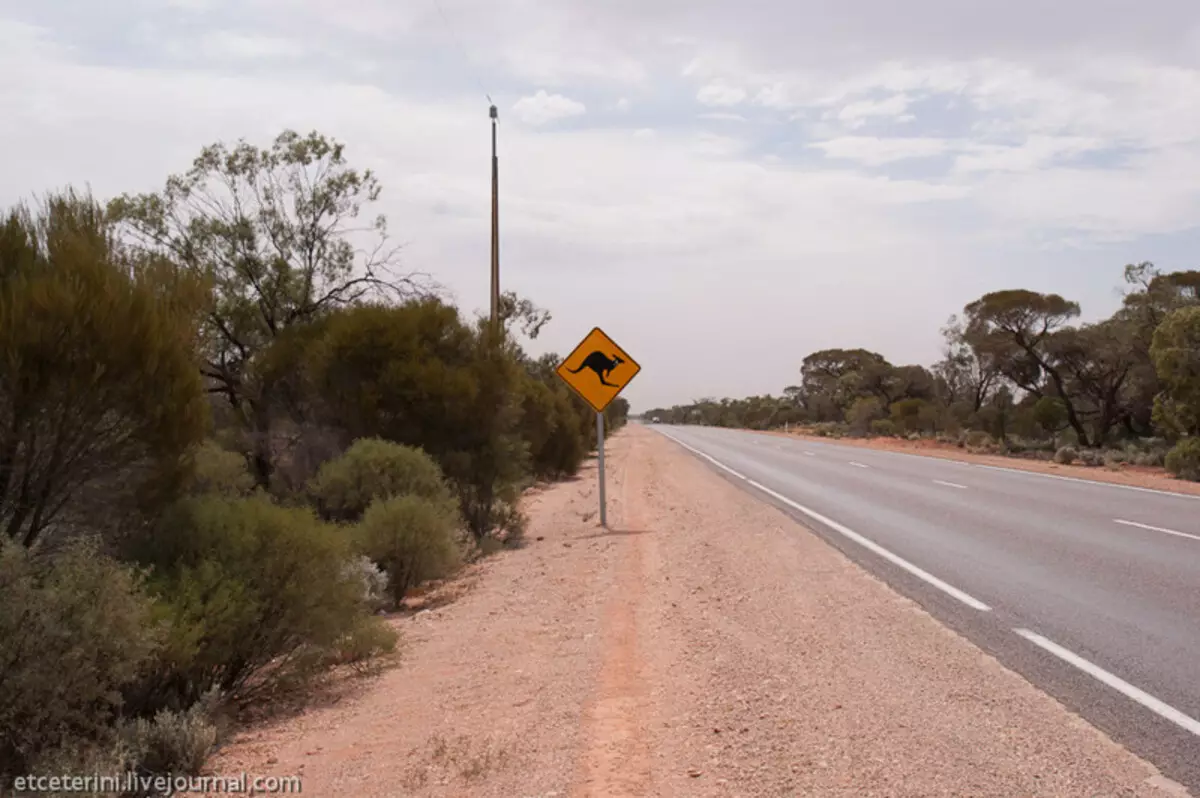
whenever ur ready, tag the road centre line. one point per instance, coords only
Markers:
(846, 532)
(858, 465)
(1157, 529)
(1123, 687)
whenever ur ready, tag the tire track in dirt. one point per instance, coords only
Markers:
(616, 759)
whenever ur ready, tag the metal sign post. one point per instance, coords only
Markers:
(600, 449)
(598, 370)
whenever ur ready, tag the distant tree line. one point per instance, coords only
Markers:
(1016, 370)
(231, 431)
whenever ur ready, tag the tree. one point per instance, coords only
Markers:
(521, 312)
(1096, 360)
(910, 415)
(1153, 296)
(99, 379)
(862, 412)
(833, 378)
(907, 382)
(1015, 328)
(1049, 413)
(276, 232)
(417, 374)
(1176, 354)
(968, 373)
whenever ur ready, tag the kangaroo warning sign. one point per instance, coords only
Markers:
(598, 369)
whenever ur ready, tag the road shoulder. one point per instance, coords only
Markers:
(705, 645)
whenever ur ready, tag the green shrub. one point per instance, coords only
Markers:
(412, 538)
(175, 743)
(367, 640)
(420, 375)
(1114, 458)
(110, 757)
(912, 415)
(862, 412)
(99, 381)
(550, 426)
(1184, 459)
(884, 427)
(829, 429)
(75, 629)
(219, 472)
(1066, 455)
(513, 523)
(1154, 458)
(1090, 457)
(247, 587)
(978, 439)
(375, 469)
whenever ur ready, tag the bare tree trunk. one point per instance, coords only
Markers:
(262, 463)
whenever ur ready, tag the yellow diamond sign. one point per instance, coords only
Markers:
(598, 369)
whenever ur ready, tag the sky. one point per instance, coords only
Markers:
(722, 187)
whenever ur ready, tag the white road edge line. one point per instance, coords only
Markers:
(1156, 529)
(950, 484)
(1077, 479)
(845, 531)
(1026, 473)
(1148, 701)
(858, 465)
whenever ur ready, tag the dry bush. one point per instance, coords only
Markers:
(412, 538)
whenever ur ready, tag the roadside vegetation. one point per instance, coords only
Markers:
(232, 433)
(1017, 378)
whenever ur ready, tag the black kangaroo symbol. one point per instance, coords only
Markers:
(601, 364)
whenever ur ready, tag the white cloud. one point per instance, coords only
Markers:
(243, 46)
(191, 5)
(857, 114)
(541, 108)
(1156, 193)
(621, 105)
(1034, 153)
(873, 151)
(720, 94)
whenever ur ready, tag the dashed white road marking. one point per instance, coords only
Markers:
(858, 465)
(1123, 687)
(950, 484)
(810, 454)
(1157, 529)
(866, 543)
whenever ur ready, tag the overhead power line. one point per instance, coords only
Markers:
(462, 51)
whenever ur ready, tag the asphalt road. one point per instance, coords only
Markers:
(1091, 591)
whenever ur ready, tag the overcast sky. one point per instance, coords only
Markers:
(722, 186)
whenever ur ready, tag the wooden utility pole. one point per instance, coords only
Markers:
(495, 226)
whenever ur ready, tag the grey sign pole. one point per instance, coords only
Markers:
(600, 449)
